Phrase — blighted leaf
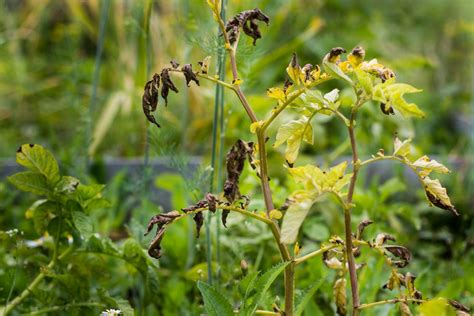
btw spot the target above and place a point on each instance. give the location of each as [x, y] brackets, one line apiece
[235, 160]
[361, 227]
[391, 94]
[357, 56]
[459, 307]
[394, 280]
[174, 64]
[30, 181]
[339, 292]
[427, 166]
[382, 238]
[205, 64]
[167, 85]
[404, 309]
[437, 195]
[294, 69]
[38, 159]
[293, 133]
[161, 221]
[189, 75]
[293, 219]
[334, 54]
[214, 302]
[150, 98]
[401, 253]
[330, 64]
[400, 148]
[247, 20]
[199, 220]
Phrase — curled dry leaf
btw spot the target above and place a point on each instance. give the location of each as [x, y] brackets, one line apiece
[361, 227]
[382, 238]
[150, 98]
[189, 75]
[199, 220]
[459, 307]
[247, 20]
[174, 64]
[404, 309]
[167, 84]
[209, 201]
[161, 221]
[334, 54]
[400, 252]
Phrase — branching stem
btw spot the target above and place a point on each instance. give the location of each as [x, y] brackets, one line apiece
[391, 301]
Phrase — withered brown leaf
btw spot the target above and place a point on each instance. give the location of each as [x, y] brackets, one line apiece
[199, 220]
[361, 227]
[161, 221]
[167, 85]
[247, 20]
[439, 203]
[400, 252]
[150, 98]
[189, 75]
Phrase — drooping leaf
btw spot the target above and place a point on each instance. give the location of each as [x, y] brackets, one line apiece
[294, 218]
[339, 292]
[31, 181]
[189, 75]
[161, 221]
[427, 166]
[293, 133]
[214, 302]
[38, 159]
[437, 195]
[150, 98]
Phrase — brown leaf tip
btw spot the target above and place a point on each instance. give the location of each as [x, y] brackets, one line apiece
[336, 51]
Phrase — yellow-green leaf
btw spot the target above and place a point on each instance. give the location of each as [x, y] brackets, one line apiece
[427, 166]
[276, 93]
[339, 291]
[365, 81]
[336, 72]
[255, 125]
[30, 181]
[400, 148]
[293, 133]
[294, 69]
[394, 93]
[294, 217]
[437, 195]
[38, 159]
[436, 307]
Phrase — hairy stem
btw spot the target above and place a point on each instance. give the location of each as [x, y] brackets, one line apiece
[20, 298]
[347, 219]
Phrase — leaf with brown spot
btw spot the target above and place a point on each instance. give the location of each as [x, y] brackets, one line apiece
[400, 252]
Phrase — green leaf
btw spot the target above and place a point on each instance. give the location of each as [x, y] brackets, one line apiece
[265, 281]
[42, 214]
[436, 307]
[365, 81]
[293, 133]
[83, 224]
[293, 220]
[30, 181]
[38, 159]
[214, 302]
[134, 254]
[67, 184]
[307, 296]
[101, 245]
[336, 72]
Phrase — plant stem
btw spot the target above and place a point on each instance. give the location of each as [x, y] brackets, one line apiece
[67, 306]
[347, 219]
[17, 300]
[391, 301]
[314, 254]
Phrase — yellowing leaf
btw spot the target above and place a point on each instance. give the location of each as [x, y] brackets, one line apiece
[335, 71]
[293, 133]
[427, 166]
[276, 93]
[316, 180]
[255, 125]
[307, 175]
[339, 291]
[294, 69]
[275, 214]
[436, 307]
[401, 148]
[205, 64]
[293, 219]
[437, 195]
[392, 94]
[215, 6]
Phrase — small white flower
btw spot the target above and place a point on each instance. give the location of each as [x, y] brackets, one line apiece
[111, 312]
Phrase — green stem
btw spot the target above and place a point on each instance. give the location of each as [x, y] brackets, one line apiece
[391, 301]
[63, 307]
[314, 254]
[20, 298]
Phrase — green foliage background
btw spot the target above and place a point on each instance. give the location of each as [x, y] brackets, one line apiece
[47, 68]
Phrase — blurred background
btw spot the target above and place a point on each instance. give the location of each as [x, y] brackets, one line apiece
[71, 78]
